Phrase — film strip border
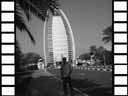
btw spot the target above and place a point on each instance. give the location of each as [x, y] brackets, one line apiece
[8, 41]
[120, 48]
[7, 48]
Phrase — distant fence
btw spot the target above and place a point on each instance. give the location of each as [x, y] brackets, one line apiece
[92, 68]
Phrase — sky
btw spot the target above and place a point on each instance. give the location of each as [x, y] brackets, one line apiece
[87, 18]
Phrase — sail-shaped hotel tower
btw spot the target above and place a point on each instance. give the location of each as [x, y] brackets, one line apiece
[58, 38]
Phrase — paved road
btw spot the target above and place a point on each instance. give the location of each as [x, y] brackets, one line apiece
[94, 83]
[91, 82]
[46, 84]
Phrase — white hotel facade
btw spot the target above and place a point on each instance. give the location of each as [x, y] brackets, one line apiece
[58, 38]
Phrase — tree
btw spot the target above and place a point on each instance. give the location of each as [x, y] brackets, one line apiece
[85, 56]
[99, 55]
[102, 54]
[108, 56]
[107, 33]
[93, 49]
[25, 70]
[19, 56]
[36, 7]
[30, 58]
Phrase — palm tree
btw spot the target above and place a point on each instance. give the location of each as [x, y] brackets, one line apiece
[93, 49]
[102, 52]
[93, 52]
[85, 56]
[30, 58]
[107, 35]
[19, 56]
[106, 39]
[36, 7]
[24, 9]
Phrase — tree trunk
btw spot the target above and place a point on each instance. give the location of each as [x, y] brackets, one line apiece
[104, 58]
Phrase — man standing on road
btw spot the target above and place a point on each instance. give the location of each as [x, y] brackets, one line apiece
[66, 70]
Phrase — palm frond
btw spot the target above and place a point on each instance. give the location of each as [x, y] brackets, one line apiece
[107, 34]
[20, 24]
[28, 7]
[24, 7]
[38, 8]
[107, 31]
[106, 39]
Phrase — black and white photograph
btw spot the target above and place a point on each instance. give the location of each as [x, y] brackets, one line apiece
[63, 48]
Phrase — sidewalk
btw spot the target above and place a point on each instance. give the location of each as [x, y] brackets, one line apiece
[44, 83]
